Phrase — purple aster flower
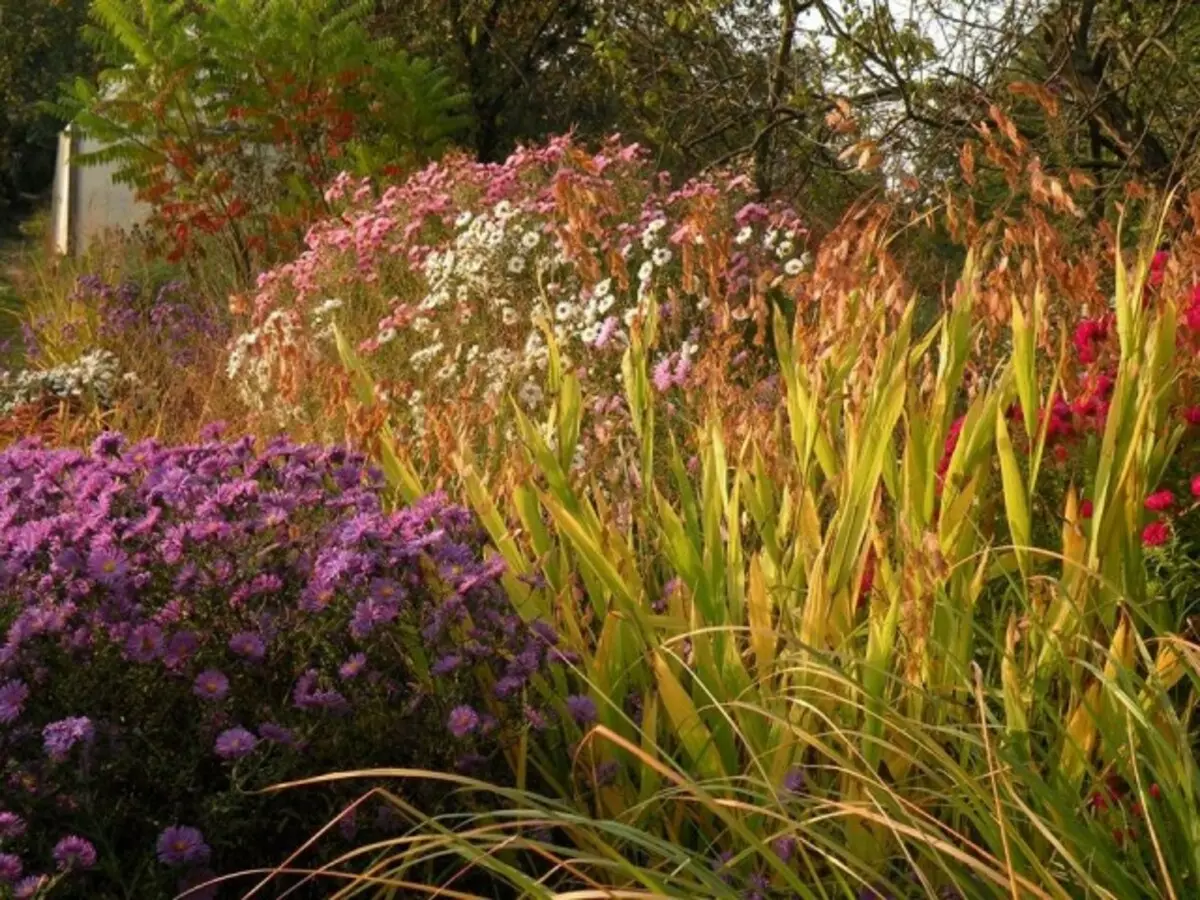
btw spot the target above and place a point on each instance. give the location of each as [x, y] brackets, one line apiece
[353, 666]
[463, 720]
[180, 649]
[74, 852]
[582, 709]
[606, 773]
[11, 868]
[756, 887]
[537, 719]
[11, 825]
[108, 444]
[145, 643]
[13, 694]
[234, 743]
[446, 664]
[59, 737]
[784, 847]
[794, 780]
[182, 845]
[211, 685]
[28, 887]
[276, 734]
[108, 565]
[248, 645]
[348, 824]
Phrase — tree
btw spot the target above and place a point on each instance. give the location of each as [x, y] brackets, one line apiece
[523, 63]
[230, 117]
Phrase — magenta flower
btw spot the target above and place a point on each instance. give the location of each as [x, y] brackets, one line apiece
[74, 852]
[1156, 534]
[463, 720]
[59, 737]
[1160, 501]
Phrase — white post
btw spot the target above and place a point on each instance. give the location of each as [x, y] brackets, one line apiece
[62, 196]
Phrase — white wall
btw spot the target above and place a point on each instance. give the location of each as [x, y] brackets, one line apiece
[87, 202]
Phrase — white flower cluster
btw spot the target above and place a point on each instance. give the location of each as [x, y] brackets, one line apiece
[495, 256]
[256, 358]
[95, 374]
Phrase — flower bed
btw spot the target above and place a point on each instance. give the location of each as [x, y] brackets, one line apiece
[185, 624]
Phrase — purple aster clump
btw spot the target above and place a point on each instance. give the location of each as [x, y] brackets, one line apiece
[59, 737]
[171, 316]
[74, 852]
[138, 581]
[182, 845]
[234, 743]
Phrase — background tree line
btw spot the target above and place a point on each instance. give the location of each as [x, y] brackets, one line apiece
[822, 97]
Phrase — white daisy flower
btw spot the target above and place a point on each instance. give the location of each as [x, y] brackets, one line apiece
[516, 265]
[661, 256]
[646, 272]
[604, 304]
[530, 240]
[793, 267]
[602, 289]
[530, 394]
[770, 238]
[509, 316]
[564, 311]
[589, 334]
[386, 336]
[743, 236]
[785, 249]
[503, 209]
[657, 225]
[463, 220]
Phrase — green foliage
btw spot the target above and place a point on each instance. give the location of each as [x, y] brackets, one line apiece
[229, 118]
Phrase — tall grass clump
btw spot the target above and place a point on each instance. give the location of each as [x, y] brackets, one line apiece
[916, 629]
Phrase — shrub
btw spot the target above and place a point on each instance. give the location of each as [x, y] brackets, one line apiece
[186, 624]
[453, 281]
[204, 111]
